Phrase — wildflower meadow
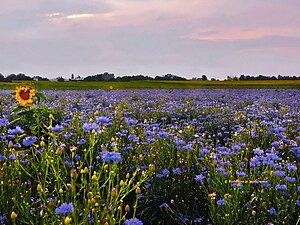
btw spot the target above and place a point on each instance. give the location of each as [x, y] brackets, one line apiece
[160, 157]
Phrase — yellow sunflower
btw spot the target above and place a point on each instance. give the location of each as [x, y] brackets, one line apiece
[24, 95]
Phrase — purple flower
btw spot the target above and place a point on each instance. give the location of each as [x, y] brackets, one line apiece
[272, 211]
[2, 158]
[2, 219]
[281, 187]
[221, 202]
[57, 128]
[17, 130]
[298, 202]
[3, 123]
[177, 171]
[111, 157]
[279, 173]
[12, 157]
[29, 141]
[102, 119]
[133, 221]
[200, 178]
[240, 174]
[198, 220]
[81, 141]
[290, 179]
[65, 209]
[88, 127]
[165, 172]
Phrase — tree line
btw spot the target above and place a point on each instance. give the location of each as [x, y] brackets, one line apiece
[111, 77]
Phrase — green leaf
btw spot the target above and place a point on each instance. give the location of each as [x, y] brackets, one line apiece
[40, 96]
[18, 108]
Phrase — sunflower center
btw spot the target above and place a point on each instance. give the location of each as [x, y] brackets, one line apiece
[25, 95]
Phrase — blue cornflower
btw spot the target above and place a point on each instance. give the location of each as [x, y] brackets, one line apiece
[65, 209]
[272, 211]
[133, 221]
[17, 146]
[221, 202]
[275, 144]
[102, 119]
[258, 151]
[281, 187]
[291, 167]
[279, 173]
[88, 127]
[290, 179]
[114, 157]
[165, 172]
[3, 123]
[57, 128]
[12, 157]
[29, 141]
[177, 171]
[164, 205]
[298, 188]
[17, 130]
[296, 151]
[298, 202]
[2, 219]
[77, 157]
[248, 205]
[81, 141]
[204, 151]
[198, 220]
[200, 178]
[240, 174]
[2, 158]
[159, 175]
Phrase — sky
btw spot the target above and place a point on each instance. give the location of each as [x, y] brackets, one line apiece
[218, 38]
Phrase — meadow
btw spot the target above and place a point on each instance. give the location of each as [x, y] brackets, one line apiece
[154, 84]
[197, 156]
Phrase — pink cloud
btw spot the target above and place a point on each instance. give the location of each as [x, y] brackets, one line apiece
[237, 34]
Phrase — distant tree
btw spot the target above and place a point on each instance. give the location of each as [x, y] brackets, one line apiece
[169, 77]
[2, 78]
[72, 76]
[60, 79]
[11, 77]
[204, 77]
[242, 77]
[101, 77]
[22, 76]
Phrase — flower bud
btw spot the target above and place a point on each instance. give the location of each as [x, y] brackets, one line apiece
[13, 215]
[68, 220]
[94, 178]
[39, 187]
[114, 192]
[122, 183]
[138, 190]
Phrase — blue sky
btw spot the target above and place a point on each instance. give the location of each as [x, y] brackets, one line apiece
[151, 37]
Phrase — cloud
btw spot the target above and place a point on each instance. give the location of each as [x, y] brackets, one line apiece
[240, 34]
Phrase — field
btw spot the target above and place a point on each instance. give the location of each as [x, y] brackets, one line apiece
[200, 156]
[51, 85]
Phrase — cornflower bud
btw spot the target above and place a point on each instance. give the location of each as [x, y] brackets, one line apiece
[138, 190]
[114, 192]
